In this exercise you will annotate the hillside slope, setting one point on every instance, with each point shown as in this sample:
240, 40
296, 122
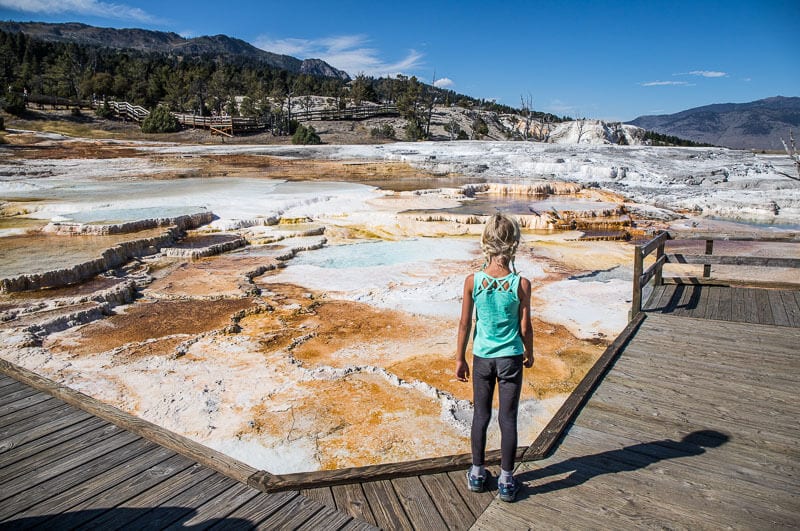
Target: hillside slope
168, 42
756, 125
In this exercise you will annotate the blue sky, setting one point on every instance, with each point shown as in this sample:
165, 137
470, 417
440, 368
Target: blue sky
607, 60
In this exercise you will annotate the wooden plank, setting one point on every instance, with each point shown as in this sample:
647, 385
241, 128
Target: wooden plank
735, 236
28, 477
49, 484
322, 495
213, 459
16, 394
257, 510
297, 511
28, 407
217, 508
750, 261
13, 387
448, 501
60, 500
181, 506
59, 452
712, 302
387, 511
325, 518
419, 508
132, 508
779, 315
352, 500
97, 506
792, 307
41, 418
12, 450
745, 283
763, 309
5, 381
30, 429
358, 525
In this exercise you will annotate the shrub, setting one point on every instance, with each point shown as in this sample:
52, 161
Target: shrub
462, 135
13, 103
384, 131
414, 131
103, 111
160, 121
75, 112
305, 135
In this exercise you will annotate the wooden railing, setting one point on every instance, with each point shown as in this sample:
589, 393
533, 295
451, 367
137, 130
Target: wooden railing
655, 272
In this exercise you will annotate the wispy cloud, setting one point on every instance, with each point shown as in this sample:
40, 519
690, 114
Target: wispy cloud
706, 73
665, 84
82, 7
443, 82
350, 53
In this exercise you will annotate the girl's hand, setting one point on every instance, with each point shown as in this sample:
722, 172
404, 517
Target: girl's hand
527, 360
462, 370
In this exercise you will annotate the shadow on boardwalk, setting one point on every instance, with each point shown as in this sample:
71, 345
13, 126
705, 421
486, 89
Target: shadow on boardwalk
157, 517
634, 457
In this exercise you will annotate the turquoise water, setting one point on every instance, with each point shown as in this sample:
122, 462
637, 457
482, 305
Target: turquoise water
760, 224
120, 215
379, 253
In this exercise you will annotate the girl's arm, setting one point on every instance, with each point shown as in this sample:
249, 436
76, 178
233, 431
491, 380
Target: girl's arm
525, 327
464, 328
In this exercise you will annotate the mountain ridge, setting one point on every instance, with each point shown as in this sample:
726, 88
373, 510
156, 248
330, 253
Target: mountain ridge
168, 42
757, 124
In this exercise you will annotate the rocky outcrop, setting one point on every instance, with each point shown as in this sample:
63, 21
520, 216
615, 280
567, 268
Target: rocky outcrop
110, 259
186, 222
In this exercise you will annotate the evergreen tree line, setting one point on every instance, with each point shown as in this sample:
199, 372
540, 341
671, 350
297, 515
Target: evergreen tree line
202, 84
659, 139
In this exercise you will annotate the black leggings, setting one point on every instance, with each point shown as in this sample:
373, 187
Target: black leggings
486, 372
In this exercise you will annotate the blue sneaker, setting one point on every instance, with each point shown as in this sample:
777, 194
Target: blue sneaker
507, 492
475, 483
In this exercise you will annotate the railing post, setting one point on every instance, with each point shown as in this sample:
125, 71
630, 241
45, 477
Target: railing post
709, 250
658, 278
638, 267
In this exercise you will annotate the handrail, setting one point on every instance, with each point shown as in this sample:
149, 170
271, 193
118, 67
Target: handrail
642, 277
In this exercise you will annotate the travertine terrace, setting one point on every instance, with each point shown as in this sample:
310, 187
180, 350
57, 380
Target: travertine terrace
293, 308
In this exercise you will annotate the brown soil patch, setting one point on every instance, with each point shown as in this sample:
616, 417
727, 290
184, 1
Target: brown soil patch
217, 276
326, 327
307, 170
149, 320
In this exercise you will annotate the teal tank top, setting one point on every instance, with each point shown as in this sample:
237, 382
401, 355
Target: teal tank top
497, 331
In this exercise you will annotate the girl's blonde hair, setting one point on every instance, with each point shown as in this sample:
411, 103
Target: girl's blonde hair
500, 238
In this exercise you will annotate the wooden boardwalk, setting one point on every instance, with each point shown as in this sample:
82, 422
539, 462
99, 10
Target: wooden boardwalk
694, 427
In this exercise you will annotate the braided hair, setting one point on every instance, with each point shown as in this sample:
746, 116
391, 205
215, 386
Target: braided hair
500, 238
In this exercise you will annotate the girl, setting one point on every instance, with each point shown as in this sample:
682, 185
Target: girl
502, 345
